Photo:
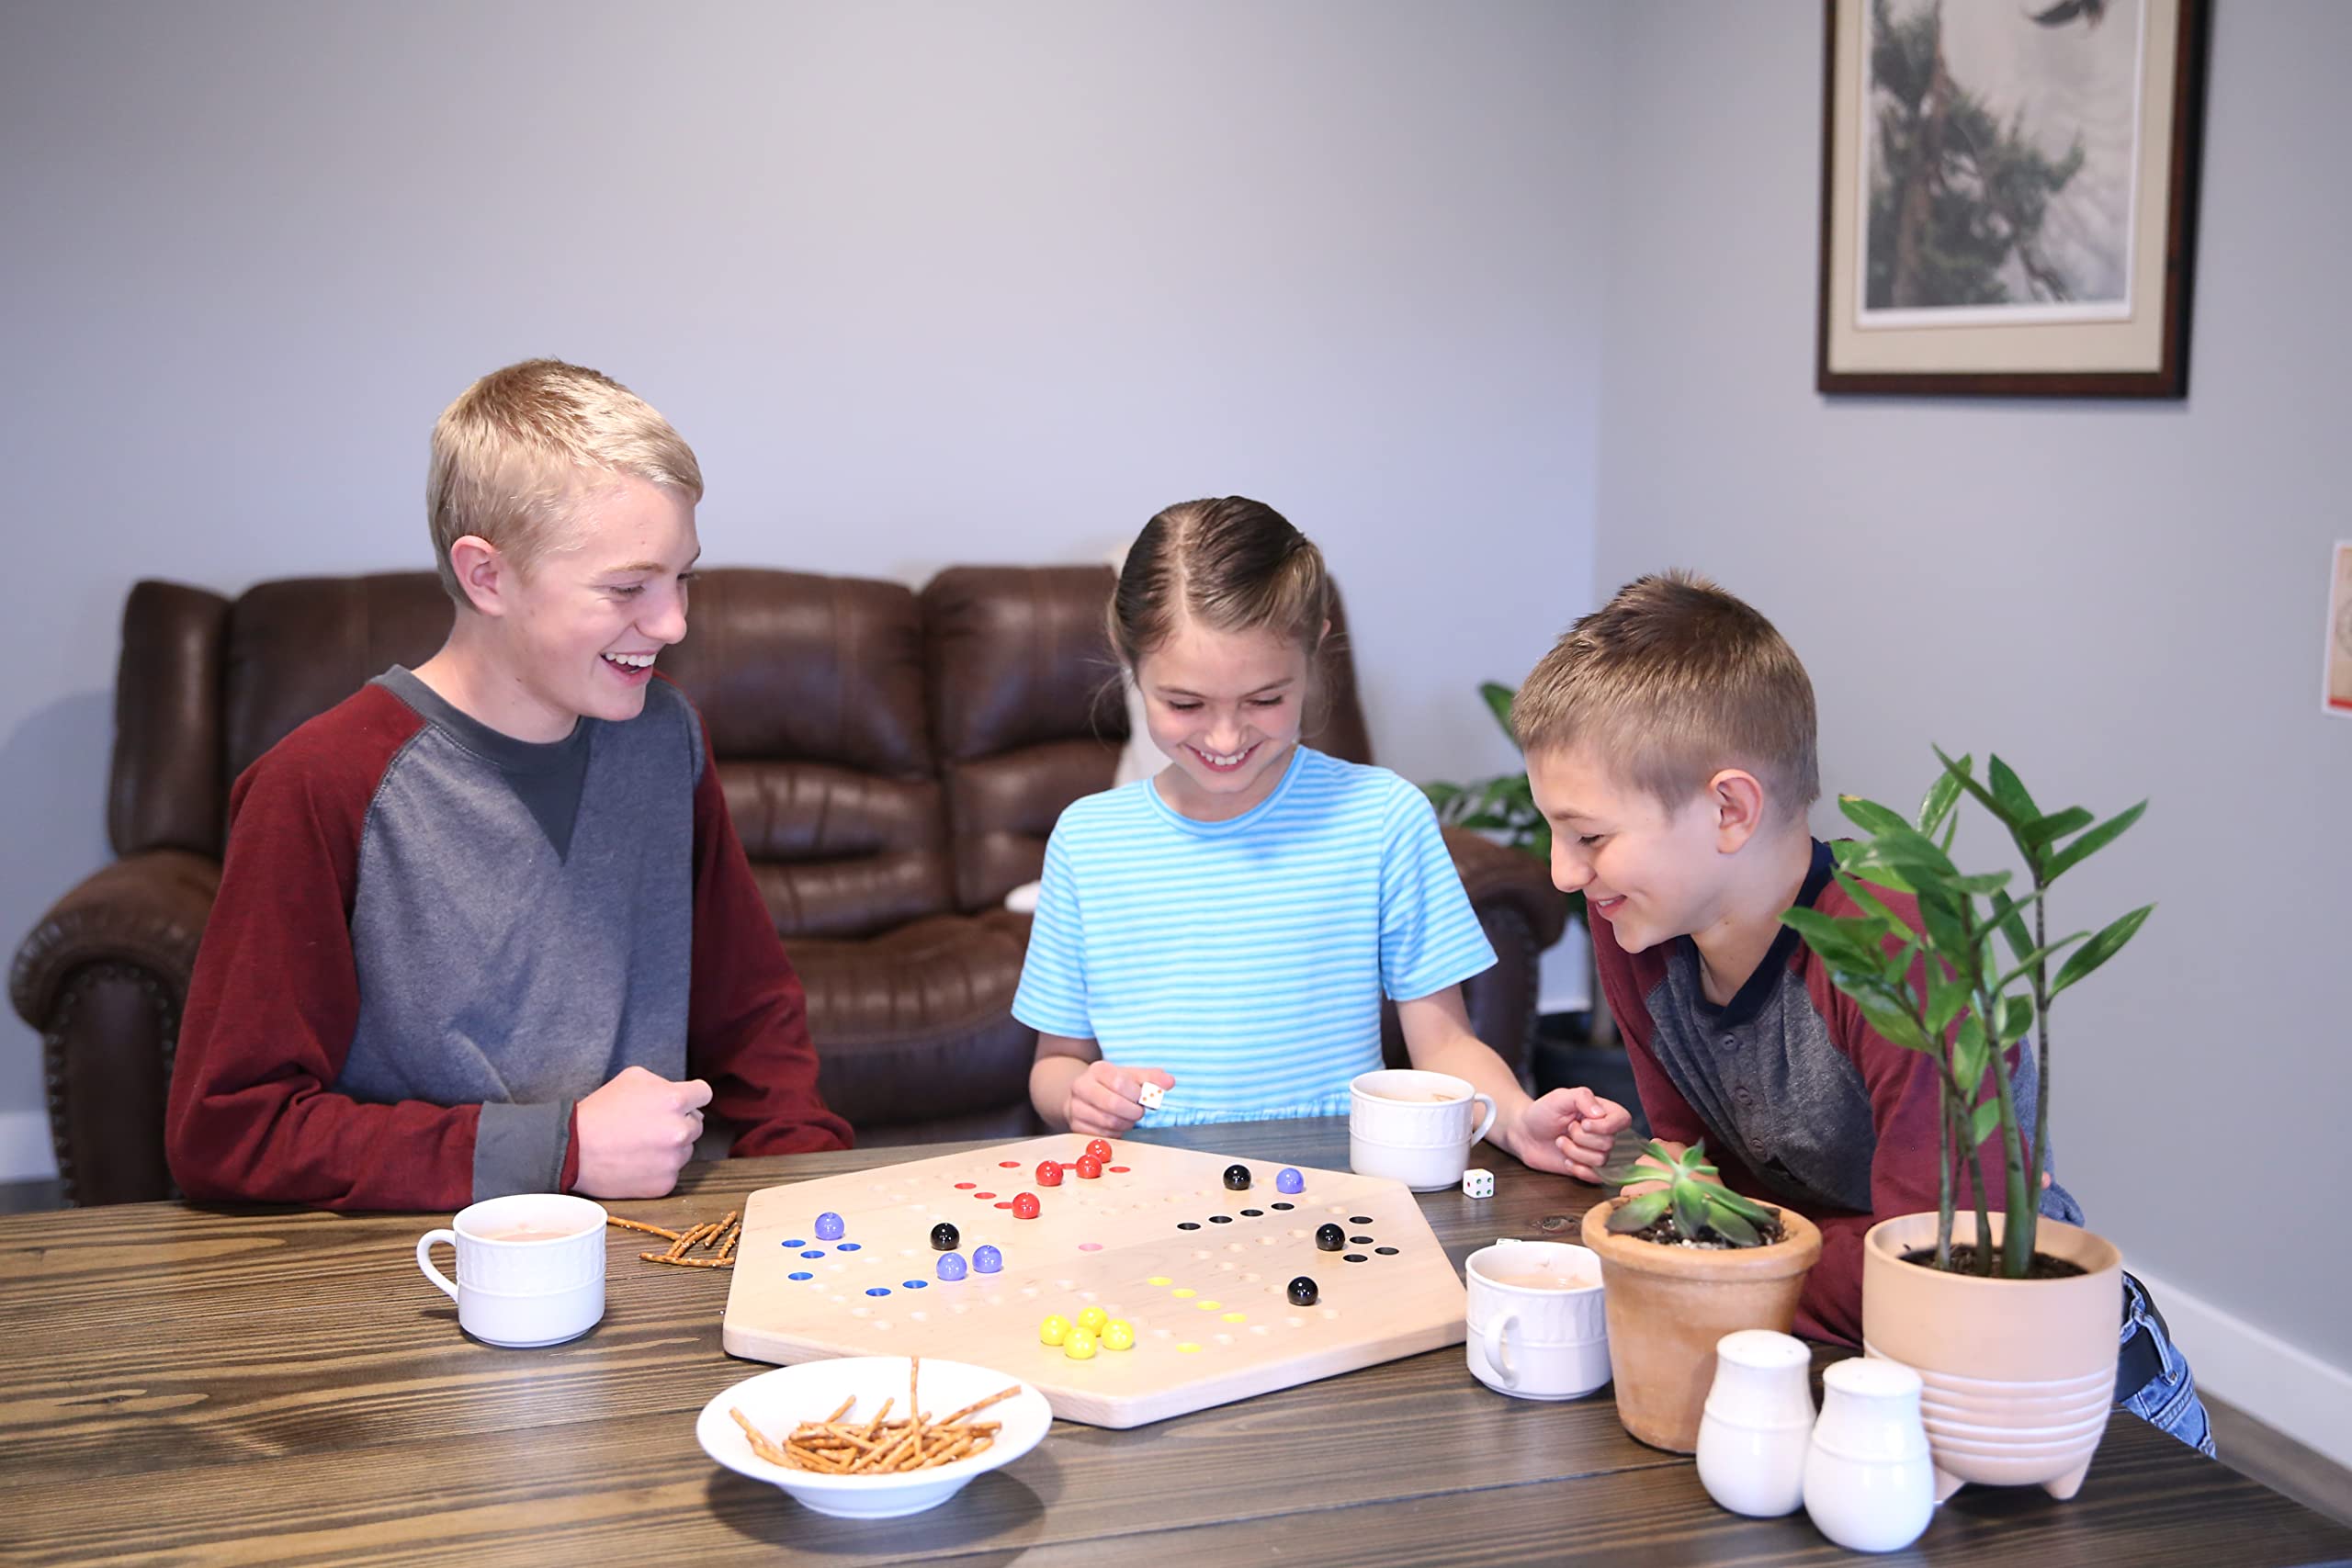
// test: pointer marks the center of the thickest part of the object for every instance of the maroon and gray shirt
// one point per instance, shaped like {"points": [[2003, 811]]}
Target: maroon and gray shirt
{"points": [[433, 940]]}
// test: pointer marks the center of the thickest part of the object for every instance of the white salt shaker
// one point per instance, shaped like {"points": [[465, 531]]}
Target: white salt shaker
{"points": [[1868, 1483], [1757, 1424]]}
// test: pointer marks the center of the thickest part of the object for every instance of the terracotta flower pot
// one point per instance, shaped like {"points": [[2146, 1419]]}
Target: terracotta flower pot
{"points": [[2015, 1371], [1666, 1307]]}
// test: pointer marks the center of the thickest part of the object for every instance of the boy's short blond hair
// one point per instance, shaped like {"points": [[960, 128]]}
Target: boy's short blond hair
{"points": [[521, 447], [1670, 683]]}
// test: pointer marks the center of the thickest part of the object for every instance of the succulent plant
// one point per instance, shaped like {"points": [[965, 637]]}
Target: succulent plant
{"points": [[1700, 1205]]}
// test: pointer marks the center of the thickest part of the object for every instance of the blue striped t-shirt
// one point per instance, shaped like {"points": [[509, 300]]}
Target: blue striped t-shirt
{"points": [[1248, 957]]}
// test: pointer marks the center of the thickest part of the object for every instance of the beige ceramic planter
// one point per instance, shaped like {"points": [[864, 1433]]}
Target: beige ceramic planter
{"points": [[1666, 1307], [2017, 1373]]}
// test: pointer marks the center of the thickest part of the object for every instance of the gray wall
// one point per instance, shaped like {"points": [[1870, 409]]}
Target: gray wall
{"points": [[2121, 600], [922, 283]]}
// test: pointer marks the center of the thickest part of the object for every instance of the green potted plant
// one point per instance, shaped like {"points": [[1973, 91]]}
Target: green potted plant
{"points": [[2008, 1317], [1682, 1265]]}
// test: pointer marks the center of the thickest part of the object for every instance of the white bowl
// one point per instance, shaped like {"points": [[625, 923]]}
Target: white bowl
{"points": [[776, 1401]]}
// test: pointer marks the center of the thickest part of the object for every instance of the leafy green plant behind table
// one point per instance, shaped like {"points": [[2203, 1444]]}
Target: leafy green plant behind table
{"points": [[1943, 988], [1504, 804]]}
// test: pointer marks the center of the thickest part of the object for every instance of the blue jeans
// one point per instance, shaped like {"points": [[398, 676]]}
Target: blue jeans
{"points": [[2153, 1380]]}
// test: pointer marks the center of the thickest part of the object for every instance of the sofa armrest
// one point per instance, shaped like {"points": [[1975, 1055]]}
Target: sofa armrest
{"points": [[146, 911], [103, 976], [1494, 876]]}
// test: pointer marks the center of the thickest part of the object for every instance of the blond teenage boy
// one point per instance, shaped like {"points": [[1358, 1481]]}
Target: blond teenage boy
{"points": [[1669, 740], [485, 927]]}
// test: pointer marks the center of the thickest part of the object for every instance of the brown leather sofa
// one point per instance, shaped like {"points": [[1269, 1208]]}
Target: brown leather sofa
{"points": [[894, 761]]}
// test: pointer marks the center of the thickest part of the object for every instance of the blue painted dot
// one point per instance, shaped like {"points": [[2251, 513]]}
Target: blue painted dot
{"points": [[878, 1290], [988, 1260], [819, 1253], [916, 1284], [951, 1265], [801, 1276], [849, 1247], [795, 1244]]}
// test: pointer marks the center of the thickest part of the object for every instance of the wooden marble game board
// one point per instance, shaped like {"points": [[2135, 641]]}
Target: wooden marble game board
{"points": [[1201, 1272]]}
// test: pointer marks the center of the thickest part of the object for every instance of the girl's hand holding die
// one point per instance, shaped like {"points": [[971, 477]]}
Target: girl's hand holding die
{"points": [[1105, 1099]]}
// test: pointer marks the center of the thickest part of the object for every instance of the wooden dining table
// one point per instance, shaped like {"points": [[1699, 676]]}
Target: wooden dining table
{"points": [[198, 1385]]}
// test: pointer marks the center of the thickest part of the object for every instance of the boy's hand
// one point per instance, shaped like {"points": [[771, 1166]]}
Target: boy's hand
{"points": [[636, 1131], [1102, 1098], [1569, 1131]]}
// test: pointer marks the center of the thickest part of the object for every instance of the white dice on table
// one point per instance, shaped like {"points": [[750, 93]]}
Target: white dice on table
{"points": [[1477, 1183], [1151, 1094]]}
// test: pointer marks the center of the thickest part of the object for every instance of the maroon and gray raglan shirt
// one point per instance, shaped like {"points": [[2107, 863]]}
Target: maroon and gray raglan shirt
{"points": [[1800, 1101], [433, 940]]}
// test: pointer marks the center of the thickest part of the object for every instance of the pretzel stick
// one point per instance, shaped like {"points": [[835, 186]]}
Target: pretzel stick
{"points": [[980, 1405], [686, 1239], [845, 1407], [717, 1229], [914, 1382], [726, 1251], [843, 1437], [824, 1464], [641, 1225], [947, 1453], [875, 1428], [759, 1440], [887, 1460]]}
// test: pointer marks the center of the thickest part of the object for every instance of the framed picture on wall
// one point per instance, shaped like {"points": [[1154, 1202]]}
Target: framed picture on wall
{"points": [[2008, 196]]}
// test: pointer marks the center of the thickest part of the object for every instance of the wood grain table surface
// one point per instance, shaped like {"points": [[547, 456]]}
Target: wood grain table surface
{"points": [[187, 1385]]}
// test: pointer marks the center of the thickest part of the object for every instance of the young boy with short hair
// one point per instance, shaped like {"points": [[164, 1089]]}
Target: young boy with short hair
{"points": [[1670, 742], [485, 927]]}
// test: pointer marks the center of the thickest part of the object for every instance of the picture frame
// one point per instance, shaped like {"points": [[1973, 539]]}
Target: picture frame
{"points": [[2008, 197]]}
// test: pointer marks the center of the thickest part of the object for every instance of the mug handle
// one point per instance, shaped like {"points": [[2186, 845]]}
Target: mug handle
{"points": [[424, 1246], [1484, 1127], [1496, 1338]]}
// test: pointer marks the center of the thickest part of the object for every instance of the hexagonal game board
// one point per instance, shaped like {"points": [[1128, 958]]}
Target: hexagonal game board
{"points": [[1202, 1272]]}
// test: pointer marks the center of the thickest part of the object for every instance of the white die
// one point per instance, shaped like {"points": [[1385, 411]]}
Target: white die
{"points": [[1477, 1183], [1151, 1094]]}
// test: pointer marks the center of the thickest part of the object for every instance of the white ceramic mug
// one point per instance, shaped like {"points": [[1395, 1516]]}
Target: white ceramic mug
{"points": [[1415, 1127], [1869, 1482], [540, 1287], [1758, 1424], [1537, 1327]]}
